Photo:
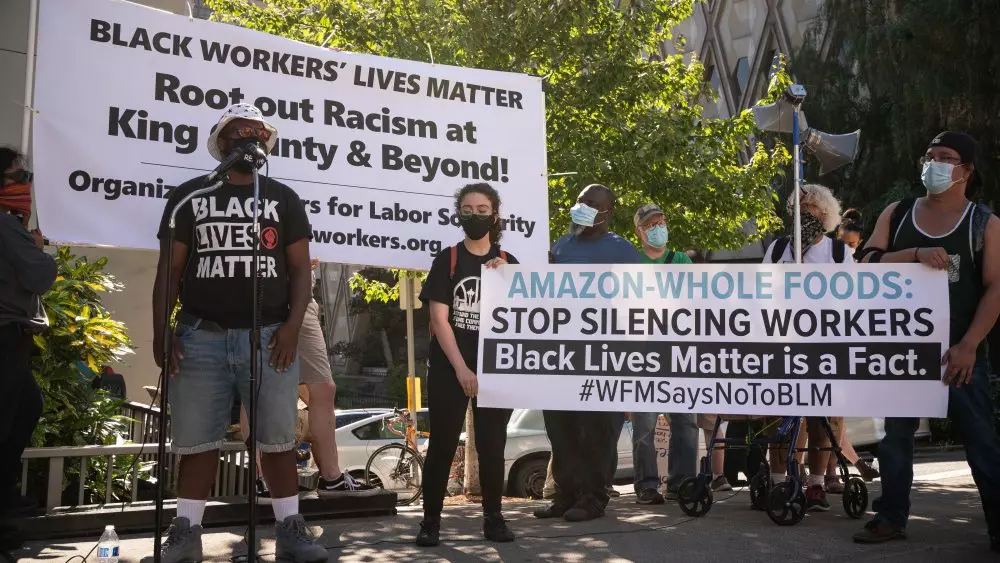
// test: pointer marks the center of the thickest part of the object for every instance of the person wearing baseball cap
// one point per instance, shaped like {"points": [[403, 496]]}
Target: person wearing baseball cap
{"points": [[650, 224], [212, 275], [946, 231]]}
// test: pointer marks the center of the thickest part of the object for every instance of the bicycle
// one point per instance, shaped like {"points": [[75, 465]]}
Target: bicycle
{"points": [[400, 466]]}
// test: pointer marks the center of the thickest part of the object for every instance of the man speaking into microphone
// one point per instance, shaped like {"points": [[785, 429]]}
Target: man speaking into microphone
{"points": [[212, 274]]}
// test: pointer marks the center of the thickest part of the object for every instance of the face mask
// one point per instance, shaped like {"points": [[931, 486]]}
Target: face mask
{"points": [[852, 250], [657, 236], [476, 226], [17, 198], [246, 164], [812, 229], [937, 176], [583, 215]]}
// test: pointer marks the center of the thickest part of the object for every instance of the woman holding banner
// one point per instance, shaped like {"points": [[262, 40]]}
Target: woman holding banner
{"points": [[452, 290]]}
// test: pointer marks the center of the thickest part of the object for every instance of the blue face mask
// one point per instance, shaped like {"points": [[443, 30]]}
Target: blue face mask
{"points": [[583, 215], [936, 176], [657, 236]]}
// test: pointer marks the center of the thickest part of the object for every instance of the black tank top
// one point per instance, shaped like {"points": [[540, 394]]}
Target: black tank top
{"points": [[965, 278]]}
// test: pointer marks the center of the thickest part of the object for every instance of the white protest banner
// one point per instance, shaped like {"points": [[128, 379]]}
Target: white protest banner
{"points": [[720, 339], [376, 147]]}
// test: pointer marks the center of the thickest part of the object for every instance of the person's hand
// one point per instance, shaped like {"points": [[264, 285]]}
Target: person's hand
{"points": [[176, 353], [959, 358], [283, 344], [39, 238], [936, 258], [496, 263], [468, 380], [314, 263]]}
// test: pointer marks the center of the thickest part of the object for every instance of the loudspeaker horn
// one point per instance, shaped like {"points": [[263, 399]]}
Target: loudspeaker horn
{"points": [[777, 117], [832, 151]]}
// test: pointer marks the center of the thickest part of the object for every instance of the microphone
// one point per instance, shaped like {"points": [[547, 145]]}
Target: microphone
{"points": [[235, 156]]}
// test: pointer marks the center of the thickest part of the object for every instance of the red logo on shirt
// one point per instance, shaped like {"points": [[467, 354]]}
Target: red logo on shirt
{"points": [[269, 238]]}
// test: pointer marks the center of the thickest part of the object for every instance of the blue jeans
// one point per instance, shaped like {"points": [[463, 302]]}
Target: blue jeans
{"points": [[970, 407], [683, 449], [216, 365]]}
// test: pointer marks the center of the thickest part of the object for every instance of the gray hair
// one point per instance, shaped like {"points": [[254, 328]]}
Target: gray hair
{"points": [[822, 198]]}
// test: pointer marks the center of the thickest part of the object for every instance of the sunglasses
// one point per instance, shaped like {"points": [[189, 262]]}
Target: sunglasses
{"points": [[19, 176], [248, 132]]}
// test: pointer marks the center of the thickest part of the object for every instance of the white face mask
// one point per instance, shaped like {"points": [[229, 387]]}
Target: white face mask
{"points": [[936, 176]]}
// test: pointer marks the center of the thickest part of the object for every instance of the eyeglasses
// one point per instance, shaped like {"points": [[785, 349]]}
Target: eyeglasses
{"points": [[19, 176], [943, 159], [247, 132]]}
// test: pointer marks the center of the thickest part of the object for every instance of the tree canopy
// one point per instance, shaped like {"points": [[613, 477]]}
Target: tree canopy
{"points": [[614, 115], [902, 71]]}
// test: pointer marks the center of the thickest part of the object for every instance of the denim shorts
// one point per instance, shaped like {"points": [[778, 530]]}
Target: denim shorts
{"points": [[216, 366]]}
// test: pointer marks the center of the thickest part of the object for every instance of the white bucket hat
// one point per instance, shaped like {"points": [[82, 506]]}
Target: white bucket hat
{"points": [[239, 111]]}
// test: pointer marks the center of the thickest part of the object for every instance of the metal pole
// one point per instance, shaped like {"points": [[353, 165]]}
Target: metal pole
{"points": [[29, 76], [796, 184], [411, 354], [255, 351]]}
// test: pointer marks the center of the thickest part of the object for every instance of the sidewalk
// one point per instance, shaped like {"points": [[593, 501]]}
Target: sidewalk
{"points": [[947, 525]]}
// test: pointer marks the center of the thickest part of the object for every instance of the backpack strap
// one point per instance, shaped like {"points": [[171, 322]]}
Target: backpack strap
{"points": [[839, 250], [980, 218], [670, 258], [896, 219], [780, 244], [454, 262]]}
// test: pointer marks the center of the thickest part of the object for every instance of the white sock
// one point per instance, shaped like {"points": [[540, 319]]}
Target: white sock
{"points": [[285, 507], [777, 477], [193, 510], [815, 480]]}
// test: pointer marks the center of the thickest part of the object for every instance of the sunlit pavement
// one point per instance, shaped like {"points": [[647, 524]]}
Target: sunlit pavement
{"points": [[947, 525]]}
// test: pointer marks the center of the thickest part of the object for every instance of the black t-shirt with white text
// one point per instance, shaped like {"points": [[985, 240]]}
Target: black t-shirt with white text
{"points": [[218, 231], [461, 293]]}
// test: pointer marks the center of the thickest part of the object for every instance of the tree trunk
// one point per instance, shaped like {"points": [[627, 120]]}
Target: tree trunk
{"points": [[472, 488]]}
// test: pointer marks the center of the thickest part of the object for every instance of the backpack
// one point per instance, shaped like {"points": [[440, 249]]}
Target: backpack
{"points": [[980, 217], [670, 258], [839, 249], [453, 251]]}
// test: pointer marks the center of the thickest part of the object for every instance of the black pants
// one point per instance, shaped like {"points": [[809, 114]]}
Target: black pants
{"points": [[447, 404], [20, 407], [580, 458]]}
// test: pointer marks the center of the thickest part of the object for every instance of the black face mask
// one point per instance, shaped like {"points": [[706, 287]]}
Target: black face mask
{"points": [[476, 226], [246, 164]]}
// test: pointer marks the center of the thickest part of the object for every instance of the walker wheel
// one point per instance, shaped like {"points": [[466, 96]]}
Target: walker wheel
{"points": [[855, 497], [760, 489], [786, 504], [692, 503]]}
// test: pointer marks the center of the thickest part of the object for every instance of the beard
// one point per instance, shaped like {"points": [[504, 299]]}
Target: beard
{"points": [[577, 230]]}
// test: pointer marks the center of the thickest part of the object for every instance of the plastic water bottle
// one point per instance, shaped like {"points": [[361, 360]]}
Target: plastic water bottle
{"points": [[107, 547]]}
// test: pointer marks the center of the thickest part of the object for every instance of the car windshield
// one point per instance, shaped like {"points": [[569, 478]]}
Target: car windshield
{"points": [[352, 417]]}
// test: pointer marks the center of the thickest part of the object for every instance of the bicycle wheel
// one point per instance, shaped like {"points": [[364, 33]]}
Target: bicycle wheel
{"points": [[397, 468]]}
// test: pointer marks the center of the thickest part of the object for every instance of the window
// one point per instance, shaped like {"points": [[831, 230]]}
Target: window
{"points": [[351, 418], [532, 420], [712, 77], [741, 76], [380, 429]]}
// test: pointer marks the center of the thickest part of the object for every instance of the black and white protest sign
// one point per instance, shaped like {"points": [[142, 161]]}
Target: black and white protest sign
{"points": [[375, 147], [725, 339]]}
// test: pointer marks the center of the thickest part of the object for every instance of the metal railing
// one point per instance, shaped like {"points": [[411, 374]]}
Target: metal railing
{"points": [[141, 438]]}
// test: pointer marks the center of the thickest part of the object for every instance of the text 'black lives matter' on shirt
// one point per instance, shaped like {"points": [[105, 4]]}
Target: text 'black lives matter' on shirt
{"points": [[461, 293], [218, 231]]}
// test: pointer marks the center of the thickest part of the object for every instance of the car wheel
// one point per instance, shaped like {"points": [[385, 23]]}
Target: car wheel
{"points": [[529, 479]]}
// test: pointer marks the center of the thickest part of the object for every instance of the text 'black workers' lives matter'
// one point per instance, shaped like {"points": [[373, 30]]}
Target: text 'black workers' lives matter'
{"points": [[309, 67]]}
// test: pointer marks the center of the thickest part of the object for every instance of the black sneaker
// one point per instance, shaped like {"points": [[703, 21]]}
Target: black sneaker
{"points": [[344, 485], [430, 532], [495, 528], [816, 499], [648, 496]]}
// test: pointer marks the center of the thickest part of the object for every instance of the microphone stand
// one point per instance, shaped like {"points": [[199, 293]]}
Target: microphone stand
{"points": [[165, 355], [255, 352]]}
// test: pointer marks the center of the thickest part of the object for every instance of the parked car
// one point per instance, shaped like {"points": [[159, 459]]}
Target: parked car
{"points": [[362, 431], [865, 432]]}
